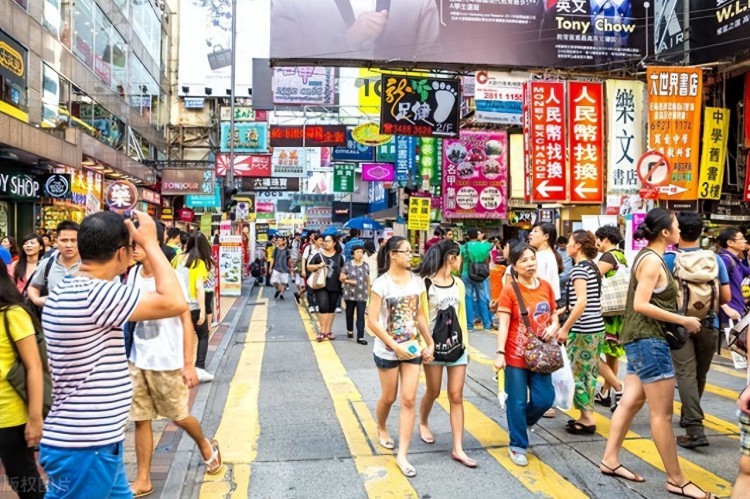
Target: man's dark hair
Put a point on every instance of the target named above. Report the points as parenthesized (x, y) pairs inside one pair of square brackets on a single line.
[(354, 233), (438, 232), (562, 241), (473, 233), (609, 232), (159, 230), (726, 235), (691, 225), (101, 235), (173, 232), (67, 225), (184, 238)]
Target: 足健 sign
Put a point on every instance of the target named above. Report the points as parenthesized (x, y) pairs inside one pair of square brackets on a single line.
[(423, 107)]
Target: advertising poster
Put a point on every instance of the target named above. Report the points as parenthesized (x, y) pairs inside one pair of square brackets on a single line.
[(419, 213), (319, 217), (353, 151), (625, 106), (406, 159), (669, 31), (519, 33), (343, 177), (718, 29), (14, 72), (248, 137), (713, 155), (674, 105), (308, 136), (586, 136), (292, 161), (475, 175), (255, 165), (304, 85), (230, 265), (378, 172), (499, 97), (547, 144), (422, 107)]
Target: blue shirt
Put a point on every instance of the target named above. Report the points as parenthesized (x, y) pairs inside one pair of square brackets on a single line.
[(350, 245), (5, 255), (737, 272), (669, 257)]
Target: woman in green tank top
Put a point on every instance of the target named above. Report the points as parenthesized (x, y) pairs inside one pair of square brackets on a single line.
[(651, 300)]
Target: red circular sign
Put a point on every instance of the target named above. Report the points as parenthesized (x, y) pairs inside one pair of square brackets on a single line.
[(654, 169)]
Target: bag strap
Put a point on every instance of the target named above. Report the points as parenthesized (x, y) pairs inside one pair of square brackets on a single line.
[(596, 273), (521, 305), (346, 11), (383, 5)]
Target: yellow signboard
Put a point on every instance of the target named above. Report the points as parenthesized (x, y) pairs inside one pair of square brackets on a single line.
[(419, 213), (713, 156)]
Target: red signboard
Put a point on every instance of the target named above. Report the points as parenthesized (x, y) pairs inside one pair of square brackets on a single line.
[(547, 144), (747, 114), (255, 165), (186, 214), (747, 181), (586, 135), (308, 136)]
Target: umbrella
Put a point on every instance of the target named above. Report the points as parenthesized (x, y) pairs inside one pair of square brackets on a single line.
[(331, 231), (363, 223)]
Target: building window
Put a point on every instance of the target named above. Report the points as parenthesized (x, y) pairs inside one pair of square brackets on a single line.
[(57, 19), (103, 48), (147, 27), (83, 35), (55, 100), (23, 3)]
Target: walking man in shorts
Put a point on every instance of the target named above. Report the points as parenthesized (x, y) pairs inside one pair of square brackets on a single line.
[(280, 268), (162, 371)]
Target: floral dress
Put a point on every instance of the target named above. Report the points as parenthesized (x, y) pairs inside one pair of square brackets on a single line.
[(359, 273)]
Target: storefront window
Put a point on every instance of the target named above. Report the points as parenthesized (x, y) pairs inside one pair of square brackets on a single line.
[(83, 39), (57, 19), (82, 112), (148, 28), (103, 48), (55, 98)]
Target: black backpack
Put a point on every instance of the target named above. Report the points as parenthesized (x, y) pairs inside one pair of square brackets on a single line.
[(447, 334)]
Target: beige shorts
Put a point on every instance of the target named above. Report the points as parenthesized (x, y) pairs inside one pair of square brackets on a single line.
[(158, 393)]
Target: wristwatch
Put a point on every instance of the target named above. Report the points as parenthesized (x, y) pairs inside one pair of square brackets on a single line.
[(500, 352)]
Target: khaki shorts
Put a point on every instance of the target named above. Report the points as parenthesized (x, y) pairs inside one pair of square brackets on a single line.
[(158, 393)]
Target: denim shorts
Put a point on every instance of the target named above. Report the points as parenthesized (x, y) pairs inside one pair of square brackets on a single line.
[(461, 361), (392, 364), (650, 359)]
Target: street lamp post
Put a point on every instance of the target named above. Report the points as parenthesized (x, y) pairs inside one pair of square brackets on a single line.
[(230, 167)]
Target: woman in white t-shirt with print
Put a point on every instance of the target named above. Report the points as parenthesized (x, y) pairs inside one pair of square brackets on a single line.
[(401, 330)]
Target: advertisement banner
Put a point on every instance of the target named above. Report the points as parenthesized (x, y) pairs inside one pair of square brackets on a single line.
[(304, 85), (406, 159), (181, 181), (428, 157), (625, 106), (269, 184), (378, 172), (230, 265), (419, 213), (669, 30), (241, 113), (547, 144), (518, 33), (499, 97), (211, 201), (255, 165), (292, 161), (713, 155), (319, 217), (586, 136), (719, 29), (353, 151), (308, 136), (343, 177), (674, 105), (423, 107), (475, 175), (14, 72), (248, 137)]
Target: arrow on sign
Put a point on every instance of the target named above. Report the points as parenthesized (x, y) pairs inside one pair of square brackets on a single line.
[(581, 190), (671, 189), (543, 189)]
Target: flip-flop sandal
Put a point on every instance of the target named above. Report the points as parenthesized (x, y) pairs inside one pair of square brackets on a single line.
[(388, 444), (468, 462), (142, 493), (577, 428), (214, 463), (613, 472), (682, 493), (330, 336), (320, 337), (428, 441), (407, 469)]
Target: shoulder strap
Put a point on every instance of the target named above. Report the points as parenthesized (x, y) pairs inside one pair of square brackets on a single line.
[(346, 11), (596, 273), (383, 5), (48, 268), (521, 305)]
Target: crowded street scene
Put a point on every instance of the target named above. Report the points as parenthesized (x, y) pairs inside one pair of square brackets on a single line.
[(374, 249)]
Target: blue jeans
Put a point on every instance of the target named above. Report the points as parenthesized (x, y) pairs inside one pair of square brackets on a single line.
[(482, 292), (529, 396), (88, 473)]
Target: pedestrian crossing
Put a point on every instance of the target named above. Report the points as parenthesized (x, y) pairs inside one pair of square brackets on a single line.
[(552, 454)]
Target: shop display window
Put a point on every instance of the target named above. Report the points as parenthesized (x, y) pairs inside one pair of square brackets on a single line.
[(103, 47), (147, 28), (144, 92), (83, 25), (57, 19), (14, 94), (55, 100)]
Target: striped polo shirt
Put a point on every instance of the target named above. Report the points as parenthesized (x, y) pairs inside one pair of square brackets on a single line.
[(92, 393), (591, 321)]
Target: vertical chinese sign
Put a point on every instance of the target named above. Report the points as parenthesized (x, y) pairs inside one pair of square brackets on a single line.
[(625, 135), (419, 213), (713, 155), (586, 136), (674, 105), (343, 178), (547, 142), (406, 159), (475, 175)]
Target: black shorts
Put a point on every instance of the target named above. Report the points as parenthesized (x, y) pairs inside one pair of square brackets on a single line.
[(209, 302)]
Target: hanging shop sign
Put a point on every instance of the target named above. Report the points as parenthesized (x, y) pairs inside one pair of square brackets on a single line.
[(547, 144), (422, 107), (241, 113), (419, 213), (304, 85), (167, 214), (386, 153), (57, 185), (149, 196), (523, 218), (210, 201), (378, 172), (625, 102), (674, 105), (713, 155), (312, 199), (248, 137), (719, 29), (254, 165), (270, 184), (353, 151), (475, 175), (186, 215), (343, 177), (293, 161), (586, 137), (308, 136), (181, 181), (406, 159), (20, 186), (499, 97), (369, 134), (13, 71), (319, 217), (428, 157), (121, 197)]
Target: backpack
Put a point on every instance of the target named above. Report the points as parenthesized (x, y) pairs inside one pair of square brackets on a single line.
[(697, 276), (447, 334), (478, 271), (44, 291)]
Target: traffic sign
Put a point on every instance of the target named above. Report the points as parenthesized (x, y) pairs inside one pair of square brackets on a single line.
[(654, 169)]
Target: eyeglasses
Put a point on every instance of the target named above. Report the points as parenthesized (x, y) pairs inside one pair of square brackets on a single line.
[(408, 252), (129, 245), (741, 238)]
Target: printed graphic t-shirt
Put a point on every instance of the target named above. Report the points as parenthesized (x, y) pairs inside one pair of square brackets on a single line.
[(398, 311), (540, 302)]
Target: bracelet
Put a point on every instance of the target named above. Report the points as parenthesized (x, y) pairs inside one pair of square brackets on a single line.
[(500, 352)]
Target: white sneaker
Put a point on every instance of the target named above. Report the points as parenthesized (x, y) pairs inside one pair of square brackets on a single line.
[(518, 458), (204, 376), (338, 310), (317, 308), (311, 309)]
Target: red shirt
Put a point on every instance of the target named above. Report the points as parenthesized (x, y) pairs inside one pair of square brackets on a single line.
[(430, 242), (540, 303)]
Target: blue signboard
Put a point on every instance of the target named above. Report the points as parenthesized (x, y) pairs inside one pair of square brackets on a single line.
[(354, 151), (198, 201), (376, 197), (406, 158), (248, 137)]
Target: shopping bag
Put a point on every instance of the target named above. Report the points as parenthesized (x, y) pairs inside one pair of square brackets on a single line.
[(564, 384)]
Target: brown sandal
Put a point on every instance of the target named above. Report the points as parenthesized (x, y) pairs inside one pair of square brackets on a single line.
[(682, 493), (330, 336), (613, 472)]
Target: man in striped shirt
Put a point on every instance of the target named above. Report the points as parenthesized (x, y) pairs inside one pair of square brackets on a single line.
[(81, 448)]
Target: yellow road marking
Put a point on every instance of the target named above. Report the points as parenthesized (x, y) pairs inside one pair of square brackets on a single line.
[(722, 392), (382, 477), (645, 449), (737, 373), (239, 429), (725, 428)]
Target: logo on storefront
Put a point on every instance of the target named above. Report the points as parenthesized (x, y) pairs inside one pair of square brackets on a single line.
[(11, 59), (57, 186)]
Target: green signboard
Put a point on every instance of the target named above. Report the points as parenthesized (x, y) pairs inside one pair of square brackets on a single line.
[(343, 178)]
